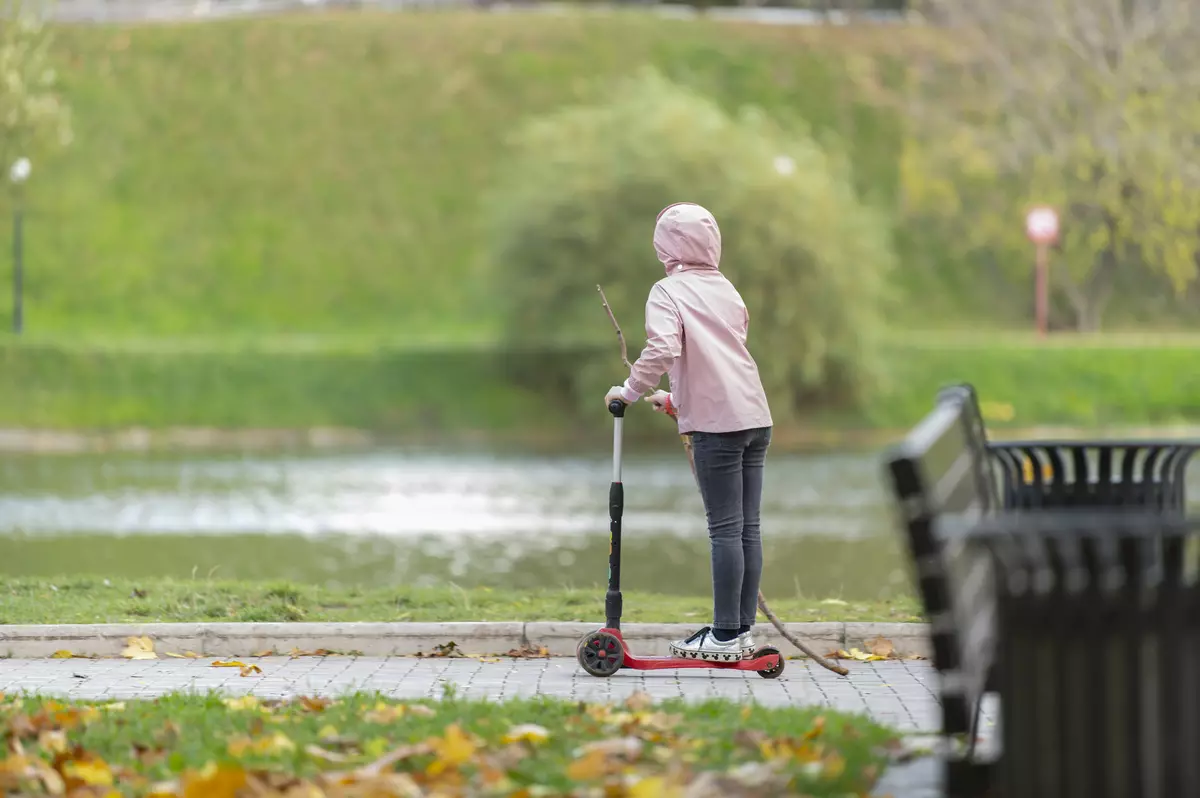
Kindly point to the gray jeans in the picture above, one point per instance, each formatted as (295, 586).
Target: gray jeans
(729, 468)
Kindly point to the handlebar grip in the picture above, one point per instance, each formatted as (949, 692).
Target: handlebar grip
(617, 408)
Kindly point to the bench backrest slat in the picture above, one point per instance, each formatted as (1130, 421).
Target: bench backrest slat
(943, 482)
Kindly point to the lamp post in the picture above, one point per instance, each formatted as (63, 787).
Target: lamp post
(18, 174)
(1041, 225)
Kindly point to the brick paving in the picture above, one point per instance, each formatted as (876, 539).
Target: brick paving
(897, 694)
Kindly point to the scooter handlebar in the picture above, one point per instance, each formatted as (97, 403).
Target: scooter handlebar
(617, 408)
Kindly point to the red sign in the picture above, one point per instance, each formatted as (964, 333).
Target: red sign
(1041, 225)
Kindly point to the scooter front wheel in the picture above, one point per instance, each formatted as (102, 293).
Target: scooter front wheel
(775, 671)
(600, 654)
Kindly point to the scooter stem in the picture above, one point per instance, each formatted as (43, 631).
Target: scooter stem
(616, 506)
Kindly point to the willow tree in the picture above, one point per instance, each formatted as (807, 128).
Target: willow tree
(33, 114)
(577, 206)
(1092, 106)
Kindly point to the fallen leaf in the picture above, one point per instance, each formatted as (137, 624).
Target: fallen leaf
(61, 654)
(589, 767)
(655, 787)
(315, 703)
(450, 649)
(53, 740)
(90, 772)
(248, 670)
(881, 647)
(317, 752)
(856, 654)
(233, 663)
(453, 749)
(276, 743)
(529, 652)
(270, 652)
(139, 648)
(639, 701)
(528, 733)
(833, 766)
(184, 655)
(242, 702)
(214, 782)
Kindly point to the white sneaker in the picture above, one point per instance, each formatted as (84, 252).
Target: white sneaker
(747, 642)
(702, 645)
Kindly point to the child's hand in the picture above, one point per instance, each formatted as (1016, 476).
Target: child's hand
(662, 402)
(615, 392)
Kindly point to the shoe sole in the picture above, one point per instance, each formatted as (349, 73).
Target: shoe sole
(709, 657)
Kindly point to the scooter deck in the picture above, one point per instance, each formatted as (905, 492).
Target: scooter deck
(662, 663)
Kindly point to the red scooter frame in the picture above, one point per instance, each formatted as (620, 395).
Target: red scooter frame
(604, 652)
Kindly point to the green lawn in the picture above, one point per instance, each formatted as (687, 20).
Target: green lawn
(91, 600)
(438, 392)
(206, 745)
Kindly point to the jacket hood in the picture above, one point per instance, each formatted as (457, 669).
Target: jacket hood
(686, 236)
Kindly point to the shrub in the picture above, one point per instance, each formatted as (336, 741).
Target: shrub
(577, 204)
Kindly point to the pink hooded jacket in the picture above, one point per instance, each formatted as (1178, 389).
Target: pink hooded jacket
(696, 325)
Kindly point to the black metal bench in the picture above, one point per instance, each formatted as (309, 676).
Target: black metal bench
(1099, 671)
(942, 478)
(1080, 474)
(951, 486)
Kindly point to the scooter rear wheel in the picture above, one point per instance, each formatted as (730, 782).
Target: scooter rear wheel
(600, 654)
(775, 671)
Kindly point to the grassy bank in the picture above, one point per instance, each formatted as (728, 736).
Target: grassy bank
(361, 383)
(90, 600)
(322, 172)
(193, 745)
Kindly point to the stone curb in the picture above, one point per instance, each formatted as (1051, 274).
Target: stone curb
(408, 639)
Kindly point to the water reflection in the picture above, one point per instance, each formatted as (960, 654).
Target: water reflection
(402, 517)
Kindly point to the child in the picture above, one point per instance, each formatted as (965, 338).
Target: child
(696, 324)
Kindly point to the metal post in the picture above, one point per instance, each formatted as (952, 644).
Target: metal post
(1042, 300)
(18, 272)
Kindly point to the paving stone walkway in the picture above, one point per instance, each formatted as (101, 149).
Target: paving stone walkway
(897, 694)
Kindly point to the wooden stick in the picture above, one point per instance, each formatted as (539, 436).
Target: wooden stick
(617, 327)
(687, 446)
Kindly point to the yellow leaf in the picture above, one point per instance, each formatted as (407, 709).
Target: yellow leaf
(276, 743)
(327, 732)
(589, 767)
(54, 741)
(376, 747)
(655, 787)
(184, 655)
(834, 766)
(139, 648)
(527, 732)
(61, 654)
(233, 663)
(90, 772)
(454, 749)
(243, 702)
(214, 782)
(248, 670)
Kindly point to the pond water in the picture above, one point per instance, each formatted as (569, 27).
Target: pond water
(400, 516)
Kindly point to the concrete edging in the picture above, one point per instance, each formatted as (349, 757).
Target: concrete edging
(35, 641)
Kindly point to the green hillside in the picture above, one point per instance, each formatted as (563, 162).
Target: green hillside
(320, 172)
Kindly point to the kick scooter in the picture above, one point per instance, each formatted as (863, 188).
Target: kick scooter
(603, 652)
